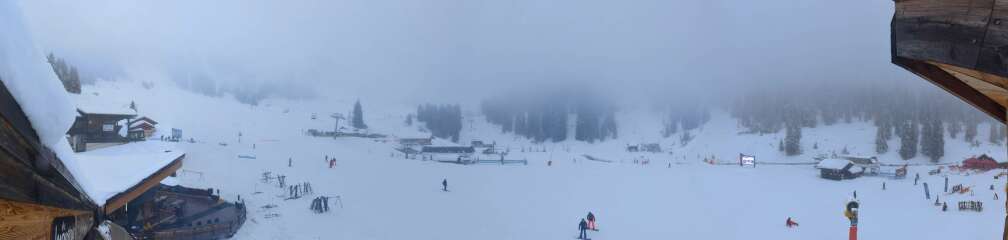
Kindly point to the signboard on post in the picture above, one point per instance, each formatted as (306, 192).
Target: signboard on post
(747, 160)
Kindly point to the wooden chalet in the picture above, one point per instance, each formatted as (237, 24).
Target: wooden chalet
(96, 129)
(142, 128)
(960, 46)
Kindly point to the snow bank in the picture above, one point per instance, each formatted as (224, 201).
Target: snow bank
(31, 80)
(35, 87)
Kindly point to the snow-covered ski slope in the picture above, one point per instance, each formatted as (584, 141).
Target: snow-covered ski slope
(385, 196)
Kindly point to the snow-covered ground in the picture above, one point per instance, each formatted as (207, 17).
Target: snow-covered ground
(385, 196)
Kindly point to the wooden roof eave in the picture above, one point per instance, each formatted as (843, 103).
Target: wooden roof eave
(121, 199)
(954, 85)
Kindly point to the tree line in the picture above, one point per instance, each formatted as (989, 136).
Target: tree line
(443, 121)
(919, 118)
(66, 73)
(547, 118)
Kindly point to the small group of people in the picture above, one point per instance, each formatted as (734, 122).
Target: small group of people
(586, 225)
(320, 204)
(332, 162)
(298, 190)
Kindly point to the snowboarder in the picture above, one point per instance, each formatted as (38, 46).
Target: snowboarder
(591, 222)
(790, 223)
(444, 185)
(583, 226)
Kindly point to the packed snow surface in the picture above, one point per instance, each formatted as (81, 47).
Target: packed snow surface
(673, 194)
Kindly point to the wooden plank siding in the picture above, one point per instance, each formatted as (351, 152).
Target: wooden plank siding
(959, 45)
(20, 220)
(36, 190)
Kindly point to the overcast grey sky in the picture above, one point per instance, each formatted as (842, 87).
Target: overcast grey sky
(435, 48)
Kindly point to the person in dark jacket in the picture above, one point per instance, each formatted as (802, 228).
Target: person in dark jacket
(444, 185)
(790, 223)
(582, 227)
(591, 222)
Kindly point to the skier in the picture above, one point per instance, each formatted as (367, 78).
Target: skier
(591, 222)
(290, 162)
(790, 223)
(444, 185)
(916, 177)
(944, 207)
(583, 226)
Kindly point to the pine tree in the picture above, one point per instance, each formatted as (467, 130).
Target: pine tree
(908, 140)
(358, 116)
(932, 143)
(954, 128)
(971, 131)
(881, 145)
(993, 136)
(609, 126)
(792, 140)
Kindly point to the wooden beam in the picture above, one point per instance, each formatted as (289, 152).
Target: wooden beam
(20, 220)
(121, 199)
(950, 83)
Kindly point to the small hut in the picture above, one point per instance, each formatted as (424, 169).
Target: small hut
(983, 162)
(838, 169)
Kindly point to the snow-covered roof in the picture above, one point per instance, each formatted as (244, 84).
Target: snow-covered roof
(112, 170)
(833, 163)
(92, 105)
(139, 123)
